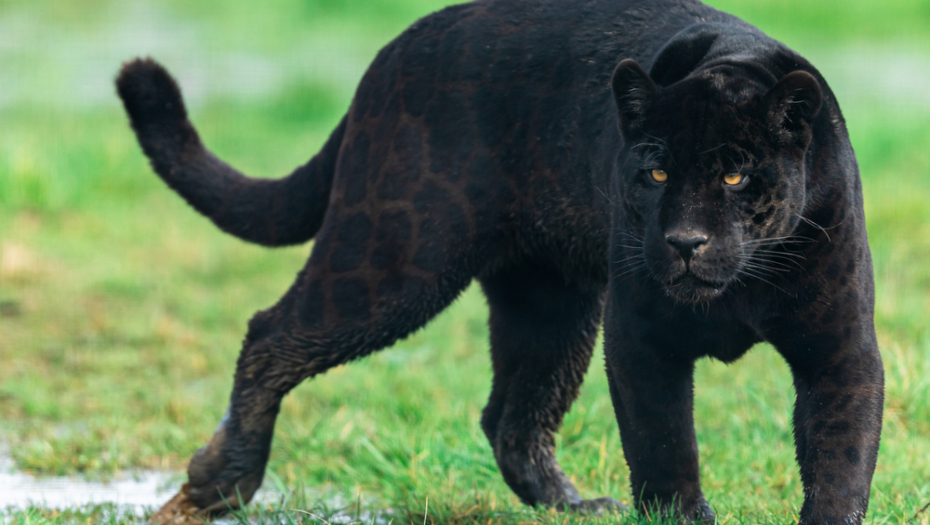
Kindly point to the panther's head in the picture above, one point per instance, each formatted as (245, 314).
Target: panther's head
(712, 174)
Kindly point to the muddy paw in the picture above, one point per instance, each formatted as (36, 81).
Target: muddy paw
(598, 507)
(180, 510)
(220, 479)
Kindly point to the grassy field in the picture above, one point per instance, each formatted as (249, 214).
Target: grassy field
(122, 310)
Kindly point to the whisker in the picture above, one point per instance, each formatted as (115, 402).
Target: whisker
(815, 225)
(712, 149)
(665, 144)
(779, 253)
(630, 271)
(632, 264)
(628, 264)
(774, 240)
(760, 278)
(641, 144)
(636, 257)
(630, 235)
(651, 158)
(765, 268)
(775, 258)
(661, 144)
(604, 195)
(776, 262)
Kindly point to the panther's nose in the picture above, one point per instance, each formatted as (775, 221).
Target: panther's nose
(686, 247)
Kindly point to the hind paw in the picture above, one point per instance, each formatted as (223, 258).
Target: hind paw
(179, 510)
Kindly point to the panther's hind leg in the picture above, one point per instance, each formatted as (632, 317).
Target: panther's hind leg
(542, 335)
(333, 313)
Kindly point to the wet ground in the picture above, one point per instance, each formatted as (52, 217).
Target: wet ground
(137, 494)
(137, 491)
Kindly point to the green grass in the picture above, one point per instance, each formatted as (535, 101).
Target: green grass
(122, 311)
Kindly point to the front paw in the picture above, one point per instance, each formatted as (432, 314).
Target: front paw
(696, 511)
(702, 514)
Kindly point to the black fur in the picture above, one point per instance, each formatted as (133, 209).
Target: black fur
(500, 140)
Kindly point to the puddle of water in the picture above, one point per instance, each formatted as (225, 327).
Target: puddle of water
(134, 492)
(137, 493)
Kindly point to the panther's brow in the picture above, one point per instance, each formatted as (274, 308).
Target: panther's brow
(742, 159)
(642, 144)
(661, 145)
(715, 148)
(654, 152)
(652, 159)
(657, 139)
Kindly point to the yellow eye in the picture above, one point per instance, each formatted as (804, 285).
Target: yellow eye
(659, 176)
(733, 178)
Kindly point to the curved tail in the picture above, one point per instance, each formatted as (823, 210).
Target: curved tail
(269, 212)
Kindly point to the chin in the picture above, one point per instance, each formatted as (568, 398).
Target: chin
(692, 290)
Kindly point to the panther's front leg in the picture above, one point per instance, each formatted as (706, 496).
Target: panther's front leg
(837, 419)
(653, 396)
(542, 335)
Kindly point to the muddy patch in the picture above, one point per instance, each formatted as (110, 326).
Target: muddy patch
(138, 494)
(137, 491)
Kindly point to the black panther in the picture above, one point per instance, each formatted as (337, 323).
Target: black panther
(659, 164)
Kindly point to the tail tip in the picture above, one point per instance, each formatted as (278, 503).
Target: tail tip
(149, 93)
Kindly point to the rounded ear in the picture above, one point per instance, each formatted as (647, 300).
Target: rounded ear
(682, 53)
(791, 106)
(633, 91)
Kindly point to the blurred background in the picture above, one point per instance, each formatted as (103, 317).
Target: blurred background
(122, 310)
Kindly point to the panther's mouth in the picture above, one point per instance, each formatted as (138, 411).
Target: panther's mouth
(689, 288)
